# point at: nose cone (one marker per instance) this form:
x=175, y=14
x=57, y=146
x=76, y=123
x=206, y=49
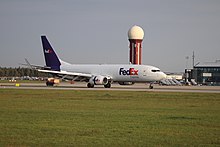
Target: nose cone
x=163, y=75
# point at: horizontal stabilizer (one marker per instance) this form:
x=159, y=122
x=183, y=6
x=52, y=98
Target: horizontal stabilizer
x=31, y=66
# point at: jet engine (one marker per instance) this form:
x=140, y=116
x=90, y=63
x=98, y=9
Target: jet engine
x=52, y=81
x=98, y=80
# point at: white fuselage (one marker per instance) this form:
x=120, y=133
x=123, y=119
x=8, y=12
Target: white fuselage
x=97, y=74
x=118, y=72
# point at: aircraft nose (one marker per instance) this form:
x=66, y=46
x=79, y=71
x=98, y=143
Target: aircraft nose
x=163, y=75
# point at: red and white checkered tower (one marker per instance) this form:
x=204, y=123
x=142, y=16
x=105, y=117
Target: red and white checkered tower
x=135, y=37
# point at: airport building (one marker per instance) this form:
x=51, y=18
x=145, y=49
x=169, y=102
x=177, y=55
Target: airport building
x=207, y=73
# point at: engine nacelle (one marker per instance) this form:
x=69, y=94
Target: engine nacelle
x=98, y=80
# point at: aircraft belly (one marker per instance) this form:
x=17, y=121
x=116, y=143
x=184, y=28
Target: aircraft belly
x=128, y=78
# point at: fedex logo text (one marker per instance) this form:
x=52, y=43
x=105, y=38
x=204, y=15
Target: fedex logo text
x=48, y=51
x=130, y=71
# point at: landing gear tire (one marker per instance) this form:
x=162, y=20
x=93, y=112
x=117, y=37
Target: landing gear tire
x=108, y=85
x=90, y=85
x=151, y=86
x=49, y=83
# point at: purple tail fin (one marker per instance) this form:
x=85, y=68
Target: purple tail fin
x=51, y=58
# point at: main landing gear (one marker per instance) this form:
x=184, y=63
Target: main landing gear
x=49, y=83
x=108, y=85
x=89, y=85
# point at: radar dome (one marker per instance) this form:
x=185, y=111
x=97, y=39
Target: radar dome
x=136, y=32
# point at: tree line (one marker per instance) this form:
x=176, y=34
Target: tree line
x=20, y=72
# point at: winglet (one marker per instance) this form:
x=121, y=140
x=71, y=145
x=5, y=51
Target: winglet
x=51, y=58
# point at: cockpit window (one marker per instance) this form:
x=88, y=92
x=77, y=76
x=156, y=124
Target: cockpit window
x=155, y=70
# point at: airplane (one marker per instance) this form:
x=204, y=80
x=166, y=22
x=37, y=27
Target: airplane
x=95, y=74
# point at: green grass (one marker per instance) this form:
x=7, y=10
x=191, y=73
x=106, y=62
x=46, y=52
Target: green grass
x=108, y=118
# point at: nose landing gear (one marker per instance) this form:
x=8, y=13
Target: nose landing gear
x=151, y=86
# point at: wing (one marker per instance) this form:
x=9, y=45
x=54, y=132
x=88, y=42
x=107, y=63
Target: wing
x=31, y=66
x=74, y=76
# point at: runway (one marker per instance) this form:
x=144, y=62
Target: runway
x=115, y=87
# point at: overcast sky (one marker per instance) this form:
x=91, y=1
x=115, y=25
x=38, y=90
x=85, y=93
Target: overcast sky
x=95, y=31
